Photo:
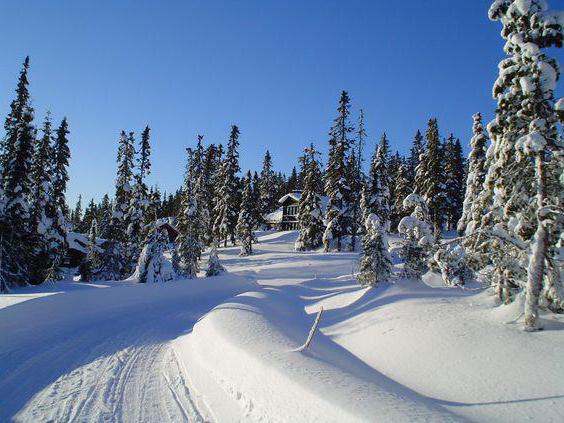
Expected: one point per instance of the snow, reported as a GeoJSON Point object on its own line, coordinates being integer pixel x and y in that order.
{"type": "Point", "coordinates": [220, 348]}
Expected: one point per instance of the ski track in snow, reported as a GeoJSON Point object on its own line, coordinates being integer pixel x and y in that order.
{"type": "Point", "coordinates": [104, 355]}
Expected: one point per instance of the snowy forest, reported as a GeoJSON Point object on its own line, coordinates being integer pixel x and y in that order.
{"type": "Point", "coordinates": [481, 214]}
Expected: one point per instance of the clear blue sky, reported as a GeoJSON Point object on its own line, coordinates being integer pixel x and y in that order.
{"type": "Point", "coordinates": [275, 68]}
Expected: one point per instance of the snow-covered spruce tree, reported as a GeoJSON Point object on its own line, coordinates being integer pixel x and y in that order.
{"type": "Point", "coordinates": [523, 186]}
{"type": "Point", "coordinates": [112, 259]}
{"type": "Point", "coordinates": [44, 235]}
{"type": "Point", "coordinates": [226, 209]}
{"type": "Point", "coordinates": [417, 237]}
{"type": "Point", "coordinates": [15, 162]}
{"type": "Point", "coordinates": [360, 140]}
{"type": "Point", "coordinates": [539, 151]}
{"type": "Point", "coordinates": [212, 166]}
{"type": "Point", "coordinates": [393, 168]}
{"type": "Point", "coordinates": [187, 244]}
{"type": "Point", "coordinates": [355, 186]}
{"type": "Point", "coordinates": [76, 214]}
{"type": "Point", "coordinates": [104, 217]}
{"type": "Point", "coordinates": [472, 212]}
{"type": "Point", "coordinates": [310, 214]}
{"type": "Point", "coordinates": [202, 219]}
{"type": "Point", "coordinates": [90, 266]}
{"type": "Point", "coordinates": [453, 181]}
{"type": "Point", "coordinates": [214, 265]}
{"type": "Point", "coordinates": [138, 221]}
{"type": "Point", "coordinates": [258, 218]}
{"type": "Point", "coordinates": [450, 259]}
{"type": "Point", "coordinates": [292, 184]}
{"type": "Point", "coordinates": [402, 188]}
{"type": "Point", "coordinates": [245, 222]}
{"type": "Point", "coordinates": [377, 193]}
{"type": "Point", "coordinates": [417, 149]}
{"type": "Point", "coordinates": [125, 160]}
{"type": "Point", "coordinates": [376, 264]}
{"type": "Point", "coordinates": [60, 156]}
{"type": "Point", "coordinates": [152, 265]}
{"type": "Point", "coordinates": [336, 184]}
{"type": "Point", "coordinates": [429, 179]}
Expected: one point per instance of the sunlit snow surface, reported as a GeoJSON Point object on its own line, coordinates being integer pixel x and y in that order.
{"type": "Point", "coordinates": [219, 349]}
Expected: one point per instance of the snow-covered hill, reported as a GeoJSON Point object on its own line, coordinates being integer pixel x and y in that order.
{"type": "Point", "coordinates": [220, 348]}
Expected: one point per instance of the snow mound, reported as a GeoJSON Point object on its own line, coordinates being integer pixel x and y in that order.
{"type": "Point", "coordinates": [245, 346]}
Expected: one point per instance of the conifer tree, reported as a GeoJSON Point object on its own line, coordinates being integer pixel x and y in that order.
{"type": "Point", "coordinates": [472, 212]}
{"type": "Point", "coordinates": [429, 180]}
{"type": "Point", "coordinates": [376, 195]}
{"type": "Point", "coordinates": [42, 208]}
{"type": "Point", "coordinates": [90, 267]}
{"type": "Point", "coordinates": [258, 218]}
{"type": "Point", "coordinates": [152, 265]}
{"type": "Point", "coordinates": [15, 163]}
{"type": "Point", "coordinates": [214, 265]}
{"type": "Point", "coordinates": [523, 185]}
{"type": "Point", "coordinates": [453, 181]}
{"type": "Point", "coordinates": [245, 222]}
{"type": "Point", "coordinates": [226, 209]}
{"type": "Point", "coordinates": [104, 216]}
{"type": "Point", "coordinates": [188, 246]}
{"type": "Point", "coordinates": [417, 149]}
{"type": "Point", "coordinates": [292, 184]}
{"type": "Point", "coordinates": [212, 165]}
{"type": "Point", "coordinates": [76, 216]}
{"type": "Point", "coordinates": [417, 237]}
{"type": "Point", "coordinates": [402, 188]}
{"type": "Point", "coordinates": [138, 223]}
{"type": "Point", "coordinates": [360, 140]}
{"type": "Point", "coordinates": [112, 259]}
{"type": "Point", "coordinates": [336, 184]}
{"type": "Point", "coordinates": [60, 156]}
{"type": "Point", "coordinates": [376, 263]}
{"type": "Point", "coordinates": [310, 214]}
{"type": "Point", "coordinates": [125, 160]}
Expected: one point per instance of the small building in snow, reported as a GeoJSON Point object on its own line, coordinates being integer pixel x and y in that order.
{"type": "Point", "coordinates": [285, 218]}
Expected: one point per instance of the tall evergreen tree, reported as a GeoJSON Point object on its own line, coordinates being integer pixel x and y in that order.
{"type": "Point", "coordinates": [402, 188]}
{"type": "Point", "coordinates": [125, 160]}
{"type": "Point", "coordinates": [226, 209]}
{"type": "Point", "coordinates": [336, 184]}
{"type": "Point", "coordinates": [42, 217]}
{"type": "Point", "coordinates": [417, 149]}
{"type": "Point", "coordinates": [76, 216]}
{"type": "Point", "coordinates": [453, 181]}
{"type": "Point", "coordinates": [15, 163]}
{"type": "Point", "coordinates": [376, 195]}
{"type": "Point", "coordinates": [523, 185]}
{"type": "Point", "coordinates": [472, 212]}
{"type": "Point", "coordinates": [267, 187]}
{"type": "Point", "coordinates": [310, 213]}
{"type": "Point", "coordinates": [245, 222]}
{"type": "Point", "coordinates": [60, 156]}
{"type": "Point", "coordinates": [188, 246]}
{"type": "Point", "coordinates": [430, 178]}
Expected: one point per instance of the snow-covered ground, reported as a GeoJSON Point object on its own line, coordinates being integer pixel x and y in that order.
{"type": "Point", "coordinates": [221, 349]}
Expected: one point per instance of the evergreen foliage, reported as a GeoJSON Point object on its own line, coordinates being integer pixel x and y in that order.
{"type": "Point", "coordinates": [310, 214]}
{"type": "Point", "coordinates": [227, 205]}
{"type": "Point", "coordinates": [246, 221]}
{"type": "Point", "coordinates": [336, 184]}
{"type": "Point", "coordinates": [472, 212]}
{"type": "Point", "coordinates": [376, 263]}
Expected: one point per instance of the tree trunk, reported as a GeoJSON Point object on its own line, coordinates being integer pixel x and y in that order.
{"type": "Point", "coordinates": [535, 270]}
